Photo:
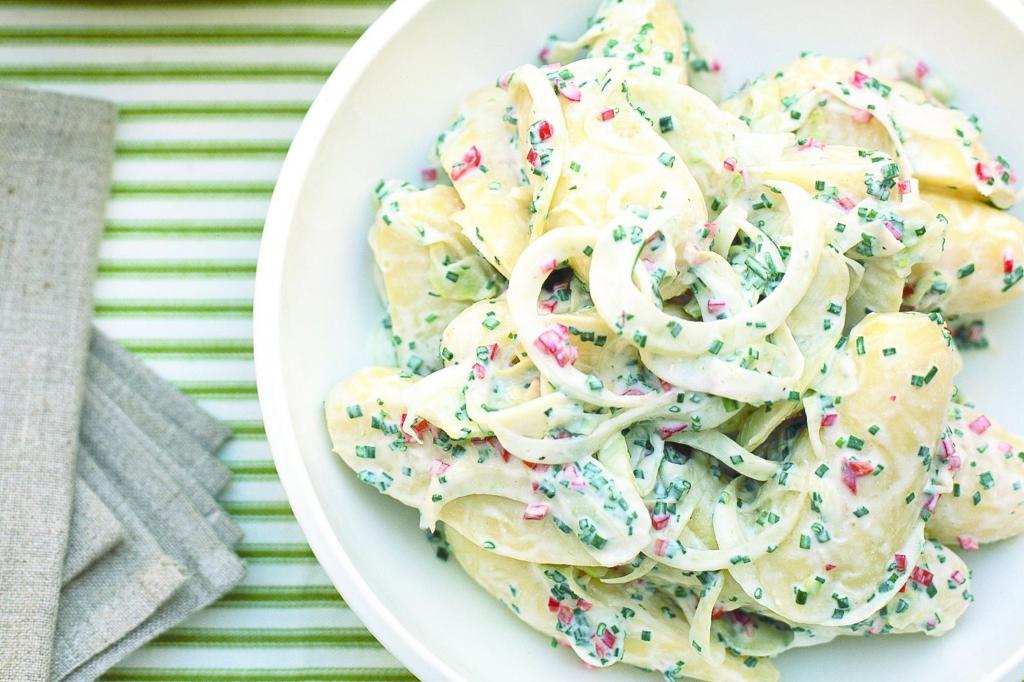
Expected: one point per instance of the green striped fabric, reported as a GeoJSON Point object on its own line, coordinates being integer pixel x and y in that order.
{"type": "Point", "coordinates": [210, 94]}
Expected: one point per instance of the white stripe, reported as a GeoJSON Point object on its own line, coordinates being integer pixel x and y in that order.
{"type": "Point", "coordinates": [197, 169]}
{"type": "Point", "coordinates": [189, 14]}
{"type": "Point", "coordinates": [233, 410]}
{"type": "Point", "coordinates": [263, 490]}
{"type": "Point", "coordinates": [271, 531]}
{"type": "Point", "coordinates": [180, 249]}
{"type": "Point", "coordinates": [188, 208]}
{"type": "Point", "coordinates": [175, 328]}
{"type": "Point", "coordinates": [255, 53]}
{"type": "Point", "coordinates": [198, 288]}
{"type": "Point", "coordinates": [204, 370]}
{"type": "Point", "coordinates": [305, 617]}
{"type": "Point", "coordinates": [260, 657]}
{"type": "Point", "coordinates": [245, 450]}
{"type": "Point", "coordinates": [214, 90]}
{"type": "Point", "coordinates": [261, 573]}
{"type": "Point", "coordinates": [242, 128]}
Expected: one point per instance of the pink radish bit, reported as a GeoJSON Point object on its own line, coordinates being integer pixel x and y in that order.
{"type": "Point", "coordinates": [980, 424]}
{"type": "Point", "coordinates": [535, 511]}
{"type": "Point", "coordinates": [555, 342]}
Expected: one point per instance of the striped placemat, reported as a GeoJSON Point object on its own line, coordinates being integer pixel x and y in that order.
{"type": "Point", "coordinates": [211, 93]}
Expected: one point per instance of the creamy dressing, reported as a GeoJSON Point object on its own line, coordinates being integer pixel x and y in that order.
{"type": "Point", "coordinates": [672, 376]}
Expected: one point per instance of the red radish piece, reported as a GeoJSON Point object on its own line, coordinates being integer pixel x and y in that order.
{"type": "Point", "coordinates": [535, 511]}
{"type": "Point", "coordinates": [471, 159]}
{"type": "Point", "coordinates": [980, 424]}
{"type": "Point", "coordinates": [968, 542]}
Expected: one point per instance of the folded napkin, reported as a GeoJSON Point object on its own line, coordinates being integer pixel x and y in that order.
{"type": "Point", "coordinates": [109, 530]}
{"type": "Point", "coordinates": [153, 470]}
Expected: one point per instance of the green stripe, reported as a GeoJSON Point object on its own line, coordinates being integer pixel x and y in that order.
{"type": "Point", "coordinates": [234, 229]}
{"type": "Point", "coordinates": [170, 308]}
{"type": "Point", "coordinates": [253, 637]}
{"type": "Point", "coordinates": [217, 389]}
{"type": "Point", "coordinates": [192, 188]}
{"type": "Point", "coordinates": [247, 429]}
{"type": "Point", "coordinates": [174, 109]}
{"type": "Point", "coordinates": [258, 675]}
{"type": "Point", "coordinates": [251, 467]}
{"type": "Point", "coordinates": [136, 5]}
{"type": "Point", "coordinates": [282, 595]}
{"type": "Point", "coordinates": [190, 148]}
{"type": "Point", "coordinates": [179, 34]}
{"type": "Point", "coordinates": [260, 509]}
{"type": "Point", "coordinates": [190, 348]}
{"type": "Point", "coordinates": [163, 71]}
{"type": "Point", "coordinates": [208, 268]}
{"type": "Point", "coordinates": [275, 551]}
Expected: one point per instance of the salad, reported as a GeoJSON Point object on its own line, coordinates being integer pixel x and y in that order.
{"type": "Point", "coordinates": [675, 375]}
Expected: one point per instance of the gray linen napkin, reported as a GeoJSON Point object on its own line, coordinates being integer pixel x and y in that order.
{"type": "Point", "coordinates": [55, 161]}
{"type": "Point", "coordinates": [145, 463]}
{"type": "Point", "coordinates": [174, 406]}
{"type": "Point", "coordinates": [136, 542]}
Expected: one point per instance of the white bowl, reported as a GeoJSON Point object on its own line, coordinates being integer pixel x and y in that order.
{"type": "Point", "coordinates": [316, 311]}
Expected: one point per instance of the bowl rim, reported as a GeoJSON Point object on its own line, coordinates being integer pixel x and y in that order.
{"type": "Point", "coordinates": [281, 436]}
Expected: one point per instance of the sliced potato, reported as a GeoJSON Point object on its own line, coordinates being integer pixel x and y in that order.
{"type": "Point", "coordinates": [987, 500]}
{"type": "Point", "coordinates": [981, 264]}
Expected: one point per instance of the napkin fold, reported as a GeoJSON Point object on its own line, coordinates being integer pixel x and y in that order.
{"type": "Point", "coordinates": [155, 473]}
{"type": "Point", "coordinates": [110, 532]}
{"type": "Point", "coordinates": [94, 531]}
